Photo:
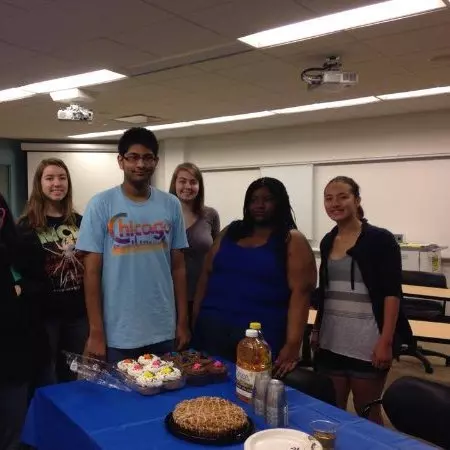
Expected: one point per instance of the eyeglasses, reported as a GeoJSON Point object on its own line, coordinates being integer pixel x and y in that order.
{"type": "Point", "coordinates": [135, 158]}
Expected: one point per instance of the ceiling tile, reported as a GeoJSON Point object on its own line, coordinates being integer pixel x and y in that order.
{"type": "Point", "coordinates": [104, 53]}
{"type": "Point", "coordinates": [413, 41]}
{"type": "Point", "coordinates": [171, 37]}
{"type": "Point", "coordinates": [183, 6]}
{"type": "Point", "coordinates": [242, 17]}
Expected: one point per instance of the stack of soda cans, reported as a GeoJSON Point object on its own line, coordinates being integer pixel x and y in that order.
{"type": "Point", "coordinates": [269, 400]}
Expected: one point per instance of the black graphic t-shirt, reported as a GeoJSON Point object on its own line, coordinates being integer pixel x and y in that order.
{"type": "Point", "coordinates": [54, 272]}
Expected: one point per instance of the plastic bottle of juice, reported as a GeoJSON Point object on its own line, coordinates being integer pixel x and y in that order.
{"type": "Point", "coordinates": [253, 357]}
{"type": "Point", "coordinates": [257, 326]}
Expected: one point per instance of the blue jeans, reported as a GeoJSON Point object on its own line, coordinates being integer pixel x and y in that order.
{"type": "Point", "coordinates": [114, 355]}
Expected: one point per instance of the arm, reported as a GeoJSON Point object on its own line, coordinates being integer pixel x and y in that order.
{"type": "Point", "coordinates": [90, 241]}
{"type": "Point", "coordinates": [302, 275]}
{"type": "Point", "coordinates": [215, 224]}
{"type": "Point", "coordinates": [93, 263]}
{"type": "Point", "coordinates": [391, 284]}
{"type": "Point", "coordinates": [202, 282]}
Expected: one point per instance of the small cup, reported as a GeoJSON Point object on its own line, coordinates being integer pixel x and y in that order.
{"type": "Point", "coordinates": [325, 432]}
{"type": "Point", "coordinates": [259, 393]}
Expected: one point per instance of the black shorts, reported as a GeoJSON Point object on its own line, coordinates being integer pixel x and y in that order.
{"type": "Point", "coordinates": [333, 364]}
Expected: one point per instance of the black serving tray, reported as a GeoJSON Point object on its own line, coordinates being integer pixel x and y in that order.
{"type": "Point", "coordinates": [233, 438]}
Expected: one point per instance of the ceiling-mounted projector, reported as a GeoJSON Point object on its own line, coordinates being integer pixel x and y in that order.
{"type": "Point", "coordinates": [330, 76]}
{"type": "Point", "coordinates": [75, 113]}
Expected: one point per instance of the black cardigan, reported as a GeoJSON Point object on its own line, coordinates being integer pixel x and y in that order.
{"type": "Point", "coordinates": [377, 254]}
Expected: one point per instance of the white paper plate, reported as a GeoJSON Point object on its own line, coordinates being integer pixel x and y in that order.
{"type": "Point", "coordinates": [281, 439]}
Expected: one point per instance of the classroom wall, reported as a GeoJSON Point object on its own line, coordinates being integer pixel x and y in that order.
{"type": "Point", "coordinates": [12, 156]}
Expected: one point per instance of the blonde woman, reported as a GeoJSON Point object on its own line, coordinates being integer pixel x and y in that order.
{"type": "Point", "coordinates": [202, 222]}
{"type": "Point", "coordinates": [53, 276]}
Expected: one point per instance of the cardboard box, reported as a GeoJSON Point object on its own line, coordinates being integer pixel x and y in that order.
{"type": "Point", "coordinates": [422, 258]}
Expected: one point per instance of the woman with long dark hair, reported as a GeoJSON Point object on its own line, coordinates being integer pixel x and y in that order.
{"type": "Point", "coordinates": [202, 222]}
{"type": "Point", "coordinates": [48, 233]}
{"type": "Point", "coordinates": [261, 268]}
{"type": "Point", "coordinates": [16, 337]}
{"type": "Point", "coordinates": [360, 324]}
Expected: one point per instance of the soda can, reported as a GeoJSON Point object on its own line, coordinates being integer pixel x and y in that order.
{"type": "Point", "coordinates": [276, 405]}
{"type": "Point", "coordinates": [259, 393]}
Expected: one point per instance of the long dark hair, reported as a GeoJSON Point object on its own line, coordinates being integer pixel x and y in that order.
{"type": "Point", "coordinates": [199, 201]}
{"type": "Point", "coordinates": [354, 189]}
{"type": "Point", "coordinates": [8, 235]}
{"type": "Point", "coordinates": [283, 218]}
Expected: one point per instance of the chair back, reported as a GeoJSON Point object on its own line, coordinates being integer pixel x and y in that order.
{"type": "Point", "coordinates": [420, 408]}
{"type": "Point", "coordinates": [427, 279]}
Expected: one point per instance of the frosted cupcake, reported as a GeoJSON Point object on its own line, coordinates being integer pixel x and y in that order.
{"type": "Point", "coordinates": [135, 370]}
{"type": "Point", "coordinates": [147, 359]}
{"type": "Point", "coordinates": [168, 373]}
{"type": "Point", "coordinates": [124, 365]}
{"type": "Point", "coordinates": [148, 379]}
{"type": "Point", "coordinates": [157, 364]}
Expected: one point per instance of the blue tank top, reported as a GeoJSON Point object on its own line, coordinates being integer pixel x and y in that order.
{"type": "Point", "coordinates": [249, 285]}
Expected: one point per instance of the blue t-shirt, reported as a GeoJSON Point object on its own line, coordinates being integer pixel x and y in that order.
{"type": "Point", "coordinates": [135, 239]}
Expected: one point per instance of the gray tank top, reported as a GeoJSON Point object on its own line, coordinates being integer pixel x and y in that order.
{"type": "Point", "coordinates": [348, 324]}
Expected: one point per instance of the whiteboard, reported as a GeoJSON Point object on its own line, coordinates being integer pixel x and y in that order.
{"type": "Point", "coordinates": [225, 192]}
{"type": "Point", "coordinates": [90, 173]}
{"type": "Point", "coordinates": [298, 180]}
{"type": "Point", "coordinates": [406, 197]}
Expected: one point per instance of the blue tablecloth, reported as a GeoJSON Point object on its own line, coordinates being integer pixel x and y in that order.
{"type": "Point", "coordinates": [82, 415]}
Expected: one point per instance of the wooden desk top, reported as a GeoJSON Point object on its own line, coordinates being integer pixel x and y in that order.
{"type": "Point", "coordinates": [428, 292]}
{"type": "Point", "coordinates": [420, 328]}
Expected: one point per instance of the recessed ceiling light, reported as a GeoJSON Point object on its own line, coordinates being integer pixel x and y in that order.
{"type": "Point", "coordinates": [169, 126]}
{"type": "Point", "coordinates": [345, 20]}
{"type": "Point", "coordinates": [99, 134]}
{"type": "Point", "coordinates": [135, 119]}
{"type": "Point", "coordinates": [327, 105]}
{"type": "Point", "coordinates": [8, 95]}
{"type": "Point", "coordinates": [418, 93]}
{"type": "Point", "coordinates": [73, 81]}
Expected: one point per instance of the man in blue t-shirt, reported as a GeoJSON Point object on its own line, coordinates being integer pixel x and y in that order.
{"type": "Point", "coordinates": [135, 279]}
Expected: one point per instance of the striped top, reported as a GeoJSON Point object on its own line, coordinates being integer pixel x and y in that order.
{"type": "Point", "coordinates": [348, 326]}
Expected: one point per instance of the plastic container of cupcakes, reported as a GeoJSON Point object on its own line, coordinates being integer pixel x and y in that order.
{"type": "Point", "coordinates": [150, 374]}
{"type": "Point", "coordinates": [199, 369]}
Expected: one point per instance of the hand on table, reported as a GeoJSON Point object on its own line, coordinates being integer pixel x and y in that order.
{"type": "Point", "coordinates": [182, 336]}
{"type": "Point", "coordinates": [382, 354]}
{"type": "Point", "coordinates": [287, 360]}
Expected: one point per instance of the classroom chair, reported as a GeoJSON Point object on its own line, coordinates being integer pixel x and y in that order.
{"type": "Point", "coordinates": [420, 309]}
{"type": "Point", "coordinates": [417, 407]}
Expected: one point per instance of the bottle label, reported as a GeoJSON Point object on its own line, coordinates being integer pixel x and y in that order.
{"type": "Point", "coordinates": [245, 380]}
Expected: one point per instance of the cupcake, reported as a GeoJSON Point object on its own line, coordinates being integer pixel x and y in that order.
{"type": "Point", "coordinates": [148, 379]}
{"type": "Point", "coordinates": [124, 365]}
{"type": "Point", "coordinates": [147, 359]}
{"type": "Point", "coordinates": [171, 356]}
{"type": "Point", "coordinates": [157, 364]}
{"type": "Point", "coordinates": [171, 376]}
{"type": "Point", "coordinates": [218, 370]}
{"type": "Point", "coordinates": [197, 374]}
{"type": "Point", "coordinates": [135, 370]}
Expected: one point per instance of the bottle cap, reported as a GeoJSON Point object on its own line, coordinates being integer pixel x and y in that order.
{"type": "Point", "coordinates": [251, 333]}
{"type": "Point", "coordinates": [255, 326]}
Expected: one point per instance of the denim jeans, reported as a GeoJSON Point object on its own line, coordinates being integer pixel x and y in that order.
{"type": "Point", "coordinates": [63, 335]}
{"type": "Point", "coordinates": [114, 355]}
{"type": "Point", "coordinates": [13, 409]}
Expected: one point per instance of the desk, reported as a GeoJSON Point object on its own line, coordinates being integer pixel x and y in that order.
{"type": "Point", "coordinates": [430, 293]}
{"type": "Point", "coordinates": [427, 331]}
{"type": "Point", "coordinates": [84, 416]}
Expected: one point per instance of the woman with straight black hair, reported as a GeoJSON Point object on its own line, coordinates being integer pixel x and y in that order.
{"type": "Point", "coordinates": [260, 269]}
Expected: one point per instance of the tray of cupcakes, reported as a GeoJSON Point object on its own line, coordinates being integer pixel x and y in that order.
{"type": "Point", "coordinates": [199, 368]}
{"type": "Point", "coordinates": [150, 374]}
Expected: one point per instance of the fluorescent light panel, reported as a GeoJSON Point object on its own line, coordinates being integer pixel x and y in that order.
{"type": "Point", "coordinates": [327, 105]}
{"type": "Point", "coordinates": [293, 110]}
{"type": "Point", "coordinates": [345, 20]}
{"type": "Point", "coordinates": [73, 81]}
{"type": "Point", "coordinates": [418, 93]}
{"type": "Point", "coordinates": [8, 95]}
